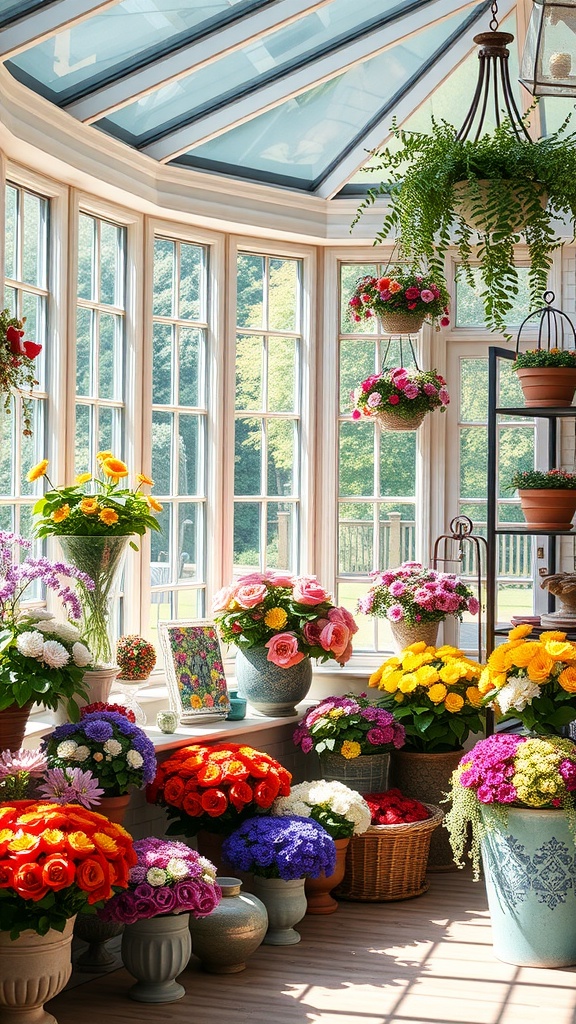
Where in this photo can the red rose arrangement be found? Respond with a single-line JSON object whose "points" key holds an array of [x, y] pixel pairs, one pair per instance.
{"points": [[392, 808], [99, 705], [54, 861], [216, 787]]}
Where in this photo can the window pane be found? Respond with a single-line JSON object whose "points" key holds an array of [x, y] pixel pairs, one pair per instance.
{"points": [[350, 274], [82, 453], [397, 463], [111, 263], [356, 459], [281, 457], [189, 541], [248, 452], [246, 537], [162, 430], [10, 229], [191, 258], [357, 362], [281, 375], [84, 322], [473, 462], [188, 363], [280, 534], [188, 455], [164, 273], [162, 364], [470, 308], [515, 454], [106, 439], [474, 390], [249, 355], [109, 383], [284, 294], [33, 267], [86, 249], [250, 295]]}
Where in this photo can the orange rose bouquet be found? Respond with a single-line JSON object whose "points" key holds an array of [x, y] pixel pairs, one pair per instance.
{"points": [[216, 787], [55, 861]]}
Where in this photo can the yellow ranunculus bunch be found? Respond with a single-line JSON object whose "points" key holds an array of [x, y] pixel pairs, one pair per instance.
{"points": [[96, 505], [434, 693], [532, 680]]}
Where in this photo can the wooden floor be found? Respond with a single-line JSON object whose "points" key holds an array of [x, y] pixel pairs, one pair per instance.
{"points": [[422, 961]]}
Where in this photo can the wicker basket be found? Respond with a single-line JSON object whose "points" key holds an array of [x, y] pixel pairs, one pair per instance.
{"points": [[389, 420], [402, 323], [405, 635], [388, 862], [366, 774]]}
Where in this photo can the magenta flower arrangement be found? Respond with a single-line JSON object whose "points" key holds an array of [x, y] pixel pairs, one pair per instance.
{"points": [[412, 594], [406, 393], [350, 726], [400, 291], [168, 878], [292, 616]]}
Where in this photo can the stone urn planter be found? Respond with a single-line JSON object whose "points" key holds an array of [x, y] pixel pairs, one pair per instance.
{"points": [[34, 968]]}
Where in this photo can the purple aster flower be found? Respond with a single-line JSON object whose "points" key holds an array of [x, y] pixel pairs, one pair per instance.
{"points": [[97, 730]]}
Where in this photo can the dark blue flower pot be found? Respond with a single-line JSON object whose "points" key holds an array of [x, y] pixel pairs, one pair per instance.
{"points": [[271, 690]]}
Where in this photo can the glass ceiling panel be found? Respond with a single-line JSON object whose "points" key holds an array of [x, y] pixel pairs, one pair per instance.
{"points": [[450, 101], [16, 8], [120, 36], [297, 140], [176, 103]]}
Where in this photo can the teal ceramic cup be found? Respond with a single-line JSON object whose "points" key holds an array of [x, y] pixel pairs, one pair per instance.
{"points": [[237, 707]]}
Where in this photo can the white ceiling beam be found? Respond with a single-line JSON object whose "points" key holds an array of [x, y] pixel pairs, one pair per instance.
{"points": [[176, 65], [36, 26], [379, 135], [236, 112]]}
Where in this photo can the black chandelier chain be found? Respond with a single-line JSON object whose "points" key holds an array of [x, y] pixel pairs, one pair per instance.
{"points": [[494, 18]]}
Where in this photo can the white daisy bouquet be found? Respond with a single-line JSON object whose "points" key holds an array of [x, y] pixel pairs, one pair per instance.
{"points": [[41, 660], [340, 810]]}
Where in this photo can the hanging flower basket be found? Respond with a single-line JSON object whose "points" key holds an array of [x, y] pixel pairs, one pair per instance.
{"points": [[390, 420], [402, 323]]}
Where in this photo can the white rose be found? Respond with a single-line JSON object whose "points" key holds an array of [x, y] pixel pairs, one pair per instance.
{"points": [[517, 693], [81, 753], [30, 644], [134, 759], [177, 867], [156, 876], [113, 747], [81, 654], [66, 748], [54, 654]]}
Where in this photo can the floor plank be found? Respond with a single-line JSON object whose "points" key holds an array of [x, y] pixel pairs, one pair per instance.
{"points": [[422, 961]]}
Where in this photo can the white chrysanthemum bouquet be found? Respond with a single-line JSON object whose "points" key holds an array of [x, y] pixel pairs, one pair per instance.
{"points": [[340, 810]]}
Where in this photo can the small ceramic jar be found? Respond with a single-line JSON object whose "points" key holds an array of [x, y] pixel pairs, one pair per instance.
{"points": [[167, 721]]}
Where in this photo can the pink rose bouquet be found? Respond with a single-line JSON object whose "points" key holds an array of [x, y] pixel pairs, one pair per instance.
{"points": [[292, 616], [400, 291], [413, 594]]}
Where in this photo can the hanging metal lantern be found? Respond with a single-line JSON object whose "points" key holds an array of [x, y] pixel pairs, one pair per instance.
{"points": [[548, 66], [555, 328]]}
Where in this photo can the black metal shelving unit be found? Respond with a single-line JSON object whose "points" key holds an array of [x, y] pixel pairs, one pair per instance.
{"points": [[493, 531]]}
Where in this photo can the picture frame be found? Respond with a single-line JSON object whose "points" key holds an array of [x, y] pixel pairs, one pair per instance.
{"points": [[197, 685]]}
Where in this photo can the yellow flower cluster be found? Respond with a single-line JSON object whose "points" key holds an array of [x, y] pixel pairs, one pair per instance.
{"points": [[443, 675], [537, 780], [550, 658]]}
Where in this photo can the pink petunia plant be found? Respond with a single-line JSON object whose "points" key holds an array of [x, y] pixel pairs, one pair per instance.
{"points": [[413, 594]]}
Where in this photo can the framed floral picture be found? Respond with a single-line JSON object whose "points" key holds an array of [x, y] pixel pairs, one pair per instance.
{"points": [[194, 669]]}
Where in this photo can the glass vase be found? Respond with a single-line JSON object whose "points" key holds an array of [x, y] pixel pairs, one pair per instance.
{"points": [[102, 558]]}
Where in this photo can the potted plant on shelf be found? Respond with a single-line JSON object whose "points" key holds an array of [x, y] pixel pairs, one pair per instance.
{"points": [[169, 883], [533, 681], [415, 600], [547, 376], [117, 752], [353, 739], [55, 860], [94, 520], [279, 622], [399, 399], [17, 368], [514, 796], [434, 693], [402, 300], [388, 861], [547, 497], [42, 660], [281, 853], [343, 813], [441, 190]]}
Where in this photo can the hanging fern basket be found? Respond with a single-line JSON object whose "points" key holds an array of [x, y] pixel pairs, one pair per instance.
{"points": [[472, 203]]}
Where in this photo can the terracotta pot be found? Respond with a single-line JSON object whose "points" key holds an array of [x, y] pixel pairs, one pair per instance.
{"points": [[13, 726], [405, 635], [402, 323], [318, 889], [548, 386], [390, 420], [35, 968], [114, 807], [426, 777], [548, 508], [465, 202]]}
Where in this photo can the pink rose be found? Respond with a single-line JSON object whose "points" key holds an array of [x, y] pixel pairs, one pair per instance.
{"points": [[430, 390], [312, 631], [308, 591], [250, 595], [445, 321], [444, 396], [426, 295], [343, 615], [280, 579], [374, 399], [356, 415], [411, 391], [345, 656], [222, 599], [335, 637], [395, 613], [251, 577], [412, 293], [473, 606], [283, 650], [397, 588]]}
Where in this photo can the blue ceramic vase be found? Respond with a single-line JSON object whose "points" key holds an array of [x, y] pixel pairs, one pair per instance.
{"points": [[269, 689], [530, 869]]}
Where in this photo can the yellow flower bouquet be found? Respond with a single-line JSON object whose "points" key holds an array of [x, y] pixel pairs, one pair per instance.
{"points": [[532, 680], [434, 693]]}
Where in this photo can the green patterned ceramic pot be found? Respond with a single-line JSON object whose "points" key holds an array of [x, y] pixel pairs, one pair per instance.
{"points": [[271, 690], [530, 869]]}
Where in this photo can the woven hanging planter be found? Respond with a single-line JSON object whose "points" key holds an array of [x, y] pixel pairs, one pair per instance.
{"points": [[390, 420], [402, 323], [388, 862]]}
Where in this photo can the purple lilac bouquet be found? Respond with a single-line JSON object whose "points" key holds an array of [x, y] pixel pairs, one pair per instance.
{"points": [[287, 847], [41, 659], [116, 751], [413, 594], [168, 878], [506, 769], [349, 725]]}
